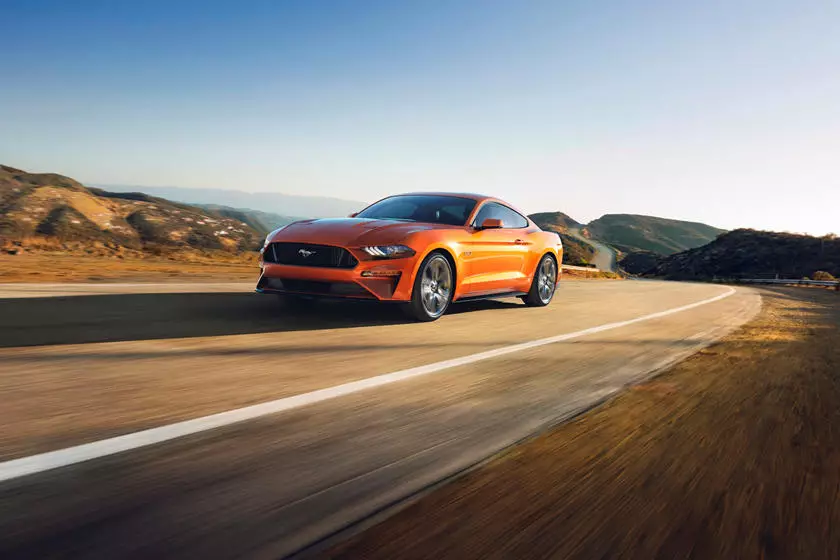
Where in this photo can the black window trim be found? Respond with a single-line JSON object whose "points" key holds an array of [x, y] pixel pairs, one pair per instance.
{"points": [[485, 203]]}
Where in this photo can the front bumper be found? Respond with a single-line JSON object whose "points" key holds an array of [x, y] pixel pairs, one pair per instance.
{"points": [[383, 280]]}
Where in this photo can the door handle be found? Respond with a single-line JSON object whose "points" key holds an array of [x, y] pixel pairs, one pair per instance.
{"points": [[520, 242]]}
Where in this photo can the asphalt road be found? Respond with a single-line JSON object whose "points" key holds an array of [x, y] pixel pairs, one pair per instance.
{"points": [[86, 368]]}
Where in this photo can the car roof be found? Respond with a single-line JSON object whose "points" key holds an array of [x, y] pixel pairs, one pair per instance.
{"points": [[473, 196]]}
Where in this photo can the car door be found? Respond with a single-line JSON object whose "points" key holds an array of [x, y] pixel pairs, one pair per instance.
{"points": [[494, 259]]}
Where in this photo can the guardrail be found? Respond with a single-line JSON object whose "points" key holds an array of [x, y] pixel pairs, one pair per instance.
{"points": [[789, 282]]}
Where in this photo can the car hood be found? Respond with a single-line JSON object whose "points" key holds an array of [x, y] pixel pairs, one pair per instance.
{"points": [[350, 232]]}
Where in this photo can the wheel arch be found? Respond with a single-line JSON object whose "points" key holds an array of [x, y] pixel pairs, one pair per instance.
{"points": [[451, 258], [557, 263], [448, 255]]}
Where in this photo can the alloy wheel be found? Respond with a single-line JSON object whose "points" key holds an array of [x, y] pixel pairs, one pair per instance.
{"points": [[436, 286], [547, 279]]}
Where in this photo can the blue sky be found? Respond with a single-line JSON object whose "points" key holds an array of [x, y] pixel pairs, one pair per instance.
{"points": [[724, 111]]}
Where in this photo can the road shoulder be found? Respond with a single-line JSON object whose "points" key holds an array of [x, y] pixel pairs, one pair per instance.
{"points": [[734, 452]]}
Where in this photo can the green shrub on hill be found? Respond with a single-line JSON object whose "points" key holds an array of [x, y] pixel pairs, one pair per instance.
{"points": [[640, 262]]}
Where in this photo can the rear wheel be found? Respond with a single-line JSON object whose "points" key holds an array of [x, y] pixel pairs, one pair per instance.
{"points": [[543, 284], [433, 288]]}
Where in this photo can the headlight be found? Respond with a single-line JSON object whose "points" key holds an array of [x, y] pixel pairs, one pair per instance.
{"points": [[389, 251]]}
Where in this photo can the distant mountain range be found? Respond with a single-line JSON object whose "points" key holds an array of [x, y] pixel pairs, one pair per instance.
{"points": [[263, 222], [630, 233], [52, 208], [641, 239], [275, 203]]}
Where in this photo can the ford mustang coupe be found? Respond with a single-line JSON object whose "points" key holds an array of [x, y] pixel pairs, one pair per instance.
{"points": [[426, 250]]}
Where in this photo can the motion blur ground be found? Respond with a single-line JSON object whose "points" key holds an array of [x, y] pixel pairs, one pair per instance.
{"points": [[733, 453], [282, 482]]}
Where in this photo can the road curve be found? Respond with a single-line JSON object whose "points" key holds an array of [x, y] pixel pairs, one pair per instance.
{"points": [[83, 369], [604, 258]]}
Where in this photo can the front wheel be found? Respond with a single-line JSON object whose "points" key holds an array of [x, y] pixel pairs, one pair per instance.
{"points": [[433, 288], [543, 284]]}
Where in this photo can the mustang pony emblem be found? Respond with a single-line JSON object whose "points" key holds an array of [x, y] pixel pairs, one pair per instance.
{"points": [[305, 253]]}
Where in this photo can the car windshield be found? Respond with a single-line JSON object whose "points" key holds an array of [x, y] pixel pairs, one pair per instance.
{"points": [[436, 209]]}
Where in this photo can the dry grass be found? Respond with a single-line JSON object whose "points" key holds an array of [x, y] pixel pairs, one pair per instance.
{"points": [[591, 274], [129, 266], [734, 453]]}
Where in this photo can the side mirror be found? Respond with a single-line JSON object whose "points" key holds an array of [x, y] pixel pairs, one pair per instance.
{"points": [[491, 223], [353, 215]]}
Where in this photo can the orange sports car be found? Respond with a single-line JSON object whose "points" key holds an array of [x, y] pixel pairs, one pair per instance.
{"points": [[426, 250]]}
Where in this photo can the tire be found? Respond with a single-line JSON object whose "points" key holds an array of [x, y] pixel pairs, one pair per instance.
{"points": [[433, 289], [544, 283]]}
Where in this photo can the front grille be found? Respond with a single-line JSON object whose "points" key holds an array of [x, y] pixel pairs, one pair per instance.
{"points": [[314, 287], [307, 254]]}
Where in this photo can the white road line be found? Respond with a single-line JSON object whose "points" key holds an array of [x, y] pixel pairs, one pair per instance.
{"points": [[72, 455]]}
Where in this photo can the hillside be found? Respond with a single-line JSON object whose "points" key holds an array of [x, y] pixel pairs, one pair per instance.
{"points": [[555, 221], [575, 251], [262, 222], [275, 203], [629, 233], [746, 253], [640, 262], [46, 209]]}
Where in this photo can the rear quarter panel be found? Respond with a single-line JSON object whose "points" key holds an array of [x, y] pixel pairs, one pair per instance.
{"points": [[542, 243]]}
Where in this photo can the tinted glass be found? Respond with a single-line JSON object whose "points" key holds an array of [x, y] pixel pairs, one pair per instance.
{"points": [[450, 210], [510, 218]]}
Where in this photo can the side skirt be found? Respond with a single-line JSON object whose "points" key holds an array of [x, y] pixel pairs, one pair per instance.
{"points": [[490, 296]]}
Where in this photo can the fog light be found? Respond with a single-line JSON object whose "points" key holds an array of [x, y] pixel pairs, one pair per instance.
{"points": [[380, 273]]}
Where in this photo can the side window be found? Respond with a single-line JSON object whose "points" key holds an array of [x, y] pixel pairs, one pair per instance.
{"points": [[489, 210], [511, 219]]}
